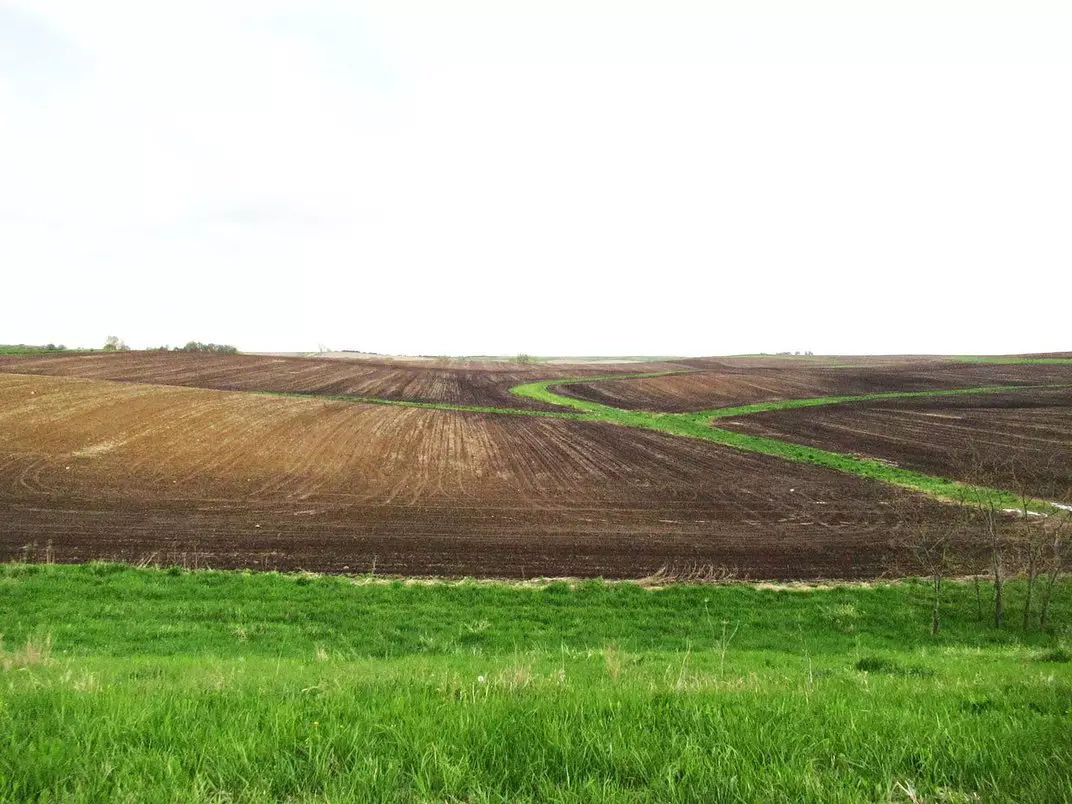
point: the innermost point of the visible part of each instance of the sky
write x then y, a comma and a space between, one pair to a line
552, 178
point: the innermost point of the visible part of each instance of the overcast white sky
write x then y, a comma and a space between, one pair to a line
547, 177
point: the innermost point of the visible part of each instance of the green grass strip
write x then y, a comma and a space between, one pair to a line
540, 391
407, 403
788, 404
23, 349
537, 391
698, 425
936, 486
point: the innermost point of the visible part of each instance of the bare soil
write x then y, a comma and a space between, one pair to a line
740, 382
1020, 441
484, 383
119, 470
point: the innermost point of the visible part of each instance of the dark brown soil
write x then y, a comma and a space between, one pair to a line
92, 469
469, 383
723, 385
1015, 441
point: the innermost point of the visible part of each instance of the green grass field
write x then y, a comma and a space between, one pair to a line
121, 684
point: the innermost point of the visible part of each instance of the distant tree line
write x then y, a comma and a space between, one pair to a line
24, 349
197, 346
214, 348
115, 344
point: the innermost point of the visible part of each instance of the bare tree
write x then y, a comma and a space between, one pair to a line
982, 495
1056, 561
936, 548
985, 501
937, 555
1031, 546
1022, 533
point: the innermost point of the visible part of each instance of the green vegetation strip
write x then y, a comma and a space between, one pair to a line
698, 425
405, 403
24, 349
788, 404
119, 684
551, 398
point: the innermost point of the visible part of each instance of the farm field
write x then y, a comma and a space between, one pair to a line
733, 381
125, 471
296, 472
1020, 441
470, 382
155, 682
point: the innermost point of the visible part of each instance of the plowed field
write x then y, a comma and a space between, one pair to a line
472, 383
755, 380
1020, 441
96, 469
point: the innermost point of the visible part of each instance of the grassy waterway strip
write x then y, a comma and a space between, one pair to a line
698, 425
789, 404
406, 403
458, 406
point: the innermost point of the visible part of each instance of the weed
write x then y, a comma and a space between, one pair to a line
36, 651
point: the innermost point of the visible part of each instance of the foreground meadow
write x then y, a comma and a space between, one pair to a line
123, 684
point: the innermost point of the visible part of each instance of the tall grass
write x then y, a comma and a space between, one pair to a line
213, 686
